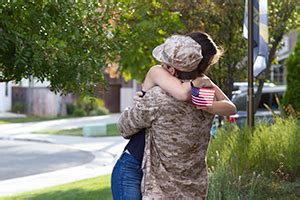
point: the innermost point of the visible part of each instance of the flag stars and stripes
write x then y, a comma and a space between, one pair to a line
203, 97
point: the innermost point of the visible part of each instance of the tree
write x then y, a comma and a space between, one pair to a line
69, 44
140, 26
225, 23
63, 42
283, 17
292, 94
223, 20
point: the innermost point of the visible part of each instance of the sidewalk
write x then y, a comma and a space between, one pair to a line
10, 115
28, 127
105, 149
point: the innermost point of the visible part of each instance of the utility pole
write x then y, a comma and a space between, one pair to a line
250, 97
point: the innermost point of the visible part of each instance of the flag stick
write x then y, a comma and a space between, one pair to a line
250, 97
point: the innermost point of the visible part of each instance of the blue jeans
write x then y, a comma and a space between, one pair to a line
126, 178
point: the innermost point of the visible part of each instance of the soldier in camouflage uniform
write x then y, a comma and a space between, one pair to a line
177, 138
177, 133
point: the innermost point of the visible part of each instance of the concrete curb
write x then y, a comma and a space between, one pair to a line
26, 139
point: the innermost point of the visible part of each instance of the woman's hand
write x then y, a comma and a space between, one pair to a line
203, 81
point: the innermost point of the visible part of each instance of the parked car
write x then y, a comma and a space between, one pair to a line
238, 87
262, 114
244, 85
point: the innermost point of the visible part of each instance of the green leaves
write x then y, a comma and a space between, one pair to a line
61, 43
69, 44
142, 26
292, 95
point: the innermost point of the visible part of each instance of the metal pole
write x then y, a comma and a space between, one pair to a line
250, 97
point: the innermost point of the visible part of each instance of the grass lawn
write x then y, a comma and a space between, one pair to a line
71, 132
112, 130
31, 119
99, 189
90, 189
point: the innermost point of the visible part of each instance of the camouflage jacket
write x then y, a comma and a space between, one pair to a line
177, 137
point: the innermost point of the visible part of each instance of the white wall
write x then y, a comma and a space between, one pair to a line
5, 97
127, 95
126, 98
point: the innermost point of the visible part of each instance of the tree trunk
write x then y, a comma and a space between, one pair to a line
266, 74
229, 81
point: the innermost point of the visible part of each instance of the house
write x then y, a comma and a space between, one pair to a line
278, 71
37, 98
119, 93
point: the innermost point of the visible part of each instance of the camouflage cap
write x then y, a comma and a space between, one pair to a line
178, 51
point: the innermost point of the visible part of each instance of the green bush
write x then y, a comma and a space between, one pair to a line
292, 94
265, 150
87, 106
91, 106
18, 107
99, 111
225, 185
259, 164
275, 147
79, 112
86, 103
70, 108
229, 148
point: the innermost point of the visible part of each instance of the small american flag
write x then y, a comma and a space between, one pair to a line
203, 97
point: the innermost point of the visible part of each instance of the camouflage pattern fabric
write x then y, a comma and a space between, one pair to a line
177, 138
180, 52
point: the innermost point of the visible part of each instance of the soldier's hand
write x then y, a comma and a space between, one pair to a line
137, 98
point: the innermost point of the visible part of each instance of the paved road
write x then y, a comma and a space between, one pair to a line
20, 158
48, 160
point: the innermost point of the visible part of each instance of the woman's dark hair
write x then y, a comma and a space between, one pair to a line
210, 52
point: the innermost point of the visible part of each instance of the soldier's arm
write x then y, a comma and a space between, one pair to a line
140, 116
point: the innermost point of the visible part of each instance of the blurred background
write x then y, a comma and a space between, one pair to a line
68, 69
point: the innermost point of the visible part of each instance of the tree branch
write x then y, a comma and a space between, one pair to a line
274, 45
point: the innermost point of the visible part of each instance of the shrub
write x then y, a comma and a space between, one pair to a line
79, 112
91, 107
224, 184
246, 164
70, 108
274, 147
99, 111
229, 148
86, 103
266, 149
18, 107
292, 94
